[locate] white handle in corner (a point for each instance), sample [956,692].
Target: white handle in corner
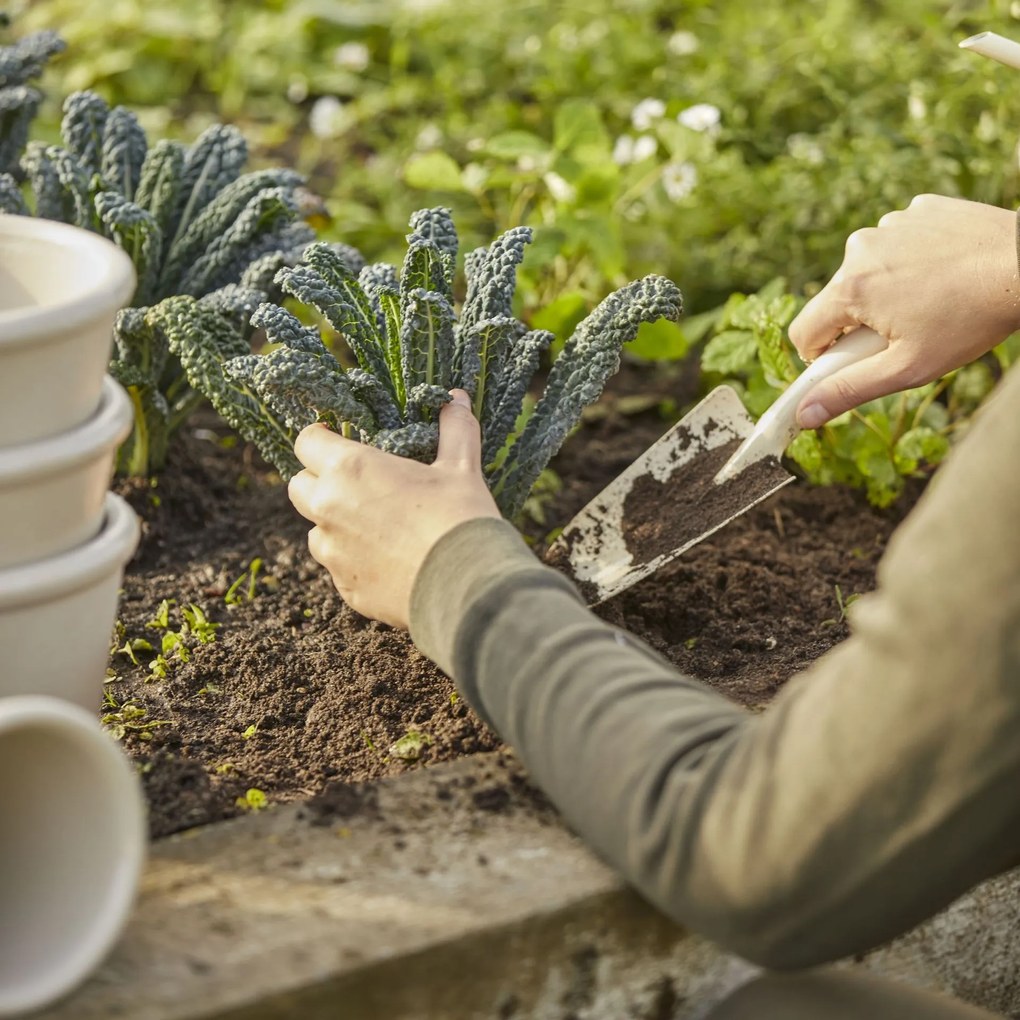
[778,425]
[995,46]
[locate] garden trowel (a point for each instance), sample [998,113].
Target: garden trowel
[710,467]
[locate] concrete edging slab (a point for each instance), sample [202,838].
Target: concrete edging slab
[443,895]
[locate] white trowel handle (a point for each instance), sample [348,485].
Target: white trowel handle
[778,425]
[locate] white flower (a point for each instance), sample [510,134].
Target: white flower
[805,148]
[917,108]
[633,150]
[429,137]
[701,117]
[593,33]
[646,113]
[679,180]
[527,163]
[326,118]
[422,6]
[645,147]
[352,56]
[474,144]
[532,45]
[682,44]
[560,189]
[297,90]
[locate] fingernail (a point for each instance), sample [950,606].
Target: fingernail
[460,397]
[813,416]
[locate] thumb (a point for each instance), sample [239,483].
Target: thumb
[460,436]
[876,376]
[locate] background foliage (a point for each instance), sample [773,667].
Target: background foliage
[722,145]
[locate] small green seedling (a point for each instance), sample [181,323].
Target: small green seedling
[253,800]
[844,603]
[410,746]
[245,588]
[127,717]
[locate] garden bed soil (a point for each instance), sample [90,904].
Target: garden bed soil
[298,695]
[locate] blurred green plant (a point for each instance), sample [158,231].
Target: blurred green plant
[719,145]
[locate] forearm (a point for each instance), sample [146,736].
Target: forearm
[878,786]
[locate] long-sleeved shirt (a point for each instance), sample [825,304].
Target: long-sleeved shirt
[881,783]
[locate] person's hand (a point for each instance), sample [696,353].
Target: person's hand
[377,515]
[938,280]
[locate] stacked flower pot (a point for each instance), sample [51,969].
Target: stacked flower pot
[72,831]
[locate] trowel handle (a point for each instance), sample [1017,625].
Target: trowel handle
[778,425]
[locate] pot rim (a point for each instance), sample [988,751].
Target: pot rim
[124,811]
[108,427]
[51,323]
[60,576]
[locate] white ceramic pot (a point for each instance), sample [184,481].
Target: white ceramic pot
[60,288]
[57,614]
[72,846]
[52,491]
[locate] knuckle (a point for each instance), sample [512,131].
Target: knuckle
[461,414]
[859,240]
[923,202]
[890,219]
[847,393]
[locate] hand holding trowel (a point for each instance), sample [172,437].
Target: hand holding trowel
[710,467]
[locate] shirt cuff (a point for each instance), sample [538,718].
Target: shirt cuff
[470,564]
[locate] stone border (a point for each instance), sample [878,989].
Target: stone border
[451,892]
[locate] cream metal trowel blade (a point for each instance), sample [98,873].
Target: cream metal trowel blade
[595,544]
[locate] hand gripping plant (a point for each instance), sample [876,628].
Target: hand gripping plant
[191,221]
[411,348]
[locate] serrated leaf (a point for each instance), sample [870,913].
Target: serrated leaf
[730,352]
[919,446]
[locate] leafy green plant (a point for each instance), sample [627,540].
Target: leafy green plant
[825,120]
[244,588]
[410,746]
[19,102]
[844,602]
[175,645]
[190,219]
[411,348]
[875,447]
[253,800]
[123,718]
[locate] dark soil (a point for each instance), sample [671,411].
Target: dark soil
[298,697]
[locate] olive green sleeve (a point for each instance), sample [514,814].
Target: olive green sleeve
[879,785]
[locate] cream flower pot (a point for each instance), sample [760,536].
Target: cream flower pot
[60,289]
[72,845]
[57,614]
[52,491]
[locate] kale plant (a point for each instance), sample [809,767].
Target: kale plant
[193,223]
[411,347]
[19,101]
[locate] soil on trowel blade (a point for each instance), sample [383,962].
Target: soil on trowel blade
[298,695]
[660,516]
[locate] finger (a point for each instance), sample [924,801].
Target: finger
[319,448]
[874,377]
[301,489]
[460,436]
[823,319]
[322,548]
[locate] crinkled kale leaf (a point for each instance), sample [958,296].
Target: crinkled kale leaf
[412,346]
